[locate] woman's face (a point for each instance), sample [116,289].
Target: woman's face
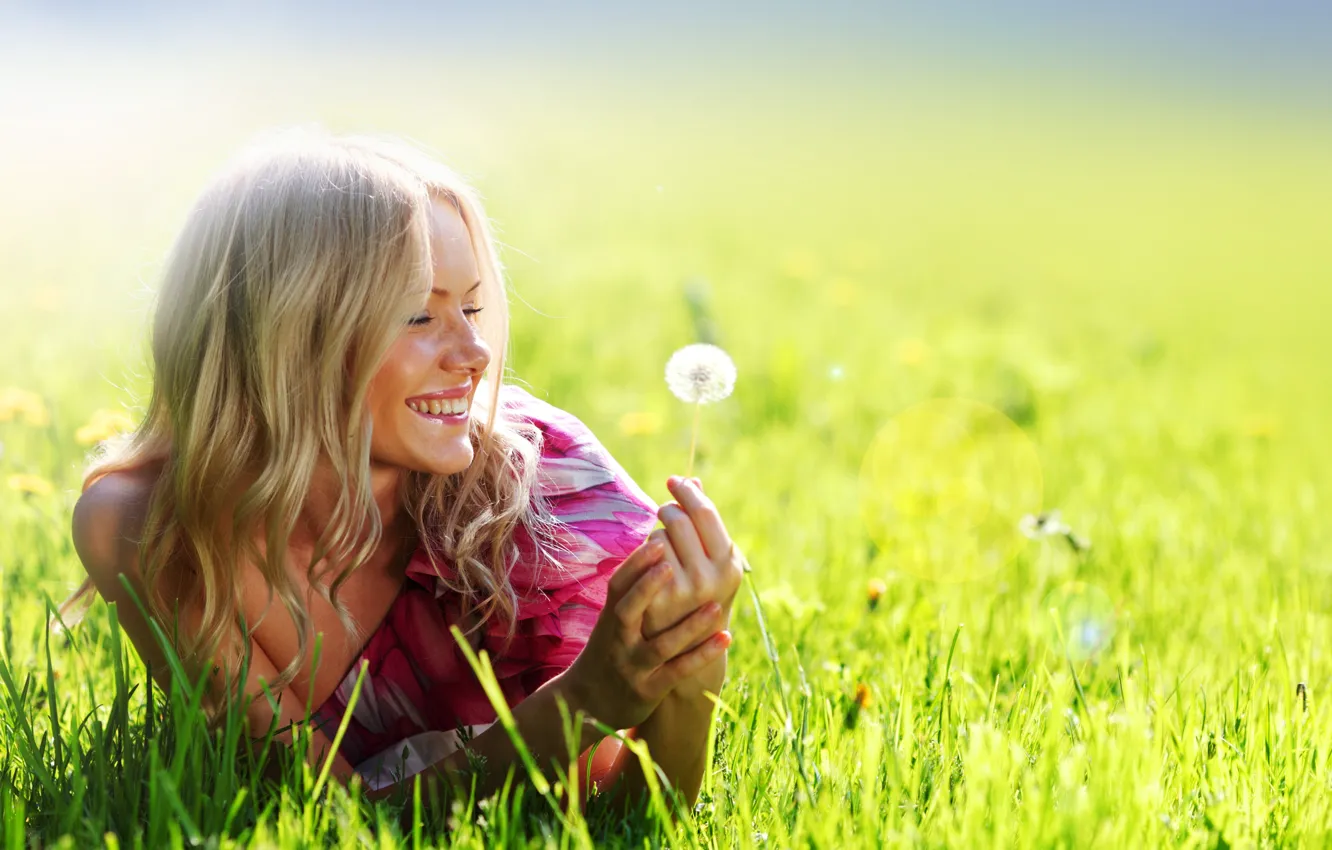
[434,365]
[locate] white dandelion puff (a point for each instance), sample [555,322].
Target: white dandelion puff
[1048,524]
[700,374]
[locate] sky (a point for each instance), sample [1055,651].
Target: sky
[1280,49]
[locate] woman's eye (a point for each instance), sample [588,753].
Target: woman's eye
[426,318]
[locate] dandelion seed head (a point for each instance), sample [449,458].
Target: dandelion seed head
[1048,524]
[700,373]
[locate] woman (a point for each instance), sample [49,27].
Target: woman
[329,429]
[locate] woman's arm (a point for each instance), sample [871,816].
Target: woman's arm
[619,679]
[676,735]
[539,724]
[105,529]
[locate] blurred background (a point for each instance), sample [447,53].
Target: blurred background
[1109,221]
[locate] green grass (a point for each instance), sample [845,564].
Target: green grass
[1139,284]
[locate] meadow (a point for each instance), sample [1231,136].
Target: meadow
[1130,285]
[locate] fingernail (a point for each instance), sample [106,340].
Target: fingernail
[723,639]
[697,483]
[673,481]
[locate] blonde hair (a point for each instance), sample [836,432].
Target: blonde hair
[293,274]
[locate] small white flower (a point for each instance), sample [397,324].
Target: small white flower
[700,373]
[1047,524]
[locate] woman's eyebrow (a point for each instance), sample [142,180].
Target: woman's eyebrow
[439,291]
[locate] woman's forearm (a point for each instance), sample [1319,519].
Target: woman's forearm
[541,727]
[677,735]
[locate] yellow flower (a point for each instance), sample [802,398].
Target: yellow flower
[640,423]
[859,702]
[912,352]
[15,402]
[863,697]
[843,291]
[34,485]
[876,589]
[861,256]
[1260,426]
[800,264]
[104,425]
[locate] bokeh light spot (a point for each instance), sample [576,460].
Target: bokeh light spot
[1079,620]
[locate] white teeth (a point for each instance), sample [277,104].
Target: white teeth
[435,406]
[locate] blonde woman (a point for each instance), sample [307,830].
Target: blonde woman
[330,448]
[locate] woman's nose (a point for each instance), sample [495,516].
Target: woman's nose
[466,352]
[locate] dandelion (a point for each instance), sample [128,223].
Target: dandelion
[640,423]
[800,264]
[912,352]
[104,425]
[1260,426]
[860,701]
[1048,524]
[32,485]
[875,591]
[699,374]
[16,403]
[843,291]
[863,697]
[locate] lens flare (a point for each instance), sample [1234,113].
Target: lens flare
[1079,620]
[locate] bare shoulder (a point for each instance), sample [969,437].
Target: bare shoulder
[108,519]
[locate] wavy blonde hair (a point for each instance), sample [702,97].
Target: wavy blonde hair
[295,271]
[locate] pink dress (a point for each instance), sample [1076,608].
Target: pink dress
[419,699]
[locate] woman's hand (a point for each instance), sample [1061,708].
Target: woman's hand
[705,565]
[620,677]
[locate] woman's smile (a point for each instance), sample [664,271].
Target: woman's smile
[446,406]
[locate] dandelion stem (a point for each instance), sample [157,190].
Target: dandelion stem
[693,439]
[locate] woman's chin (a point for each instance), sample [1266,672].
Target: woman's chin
[452,466]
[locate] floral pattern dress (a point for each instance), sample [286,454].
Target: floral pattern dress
[420,700]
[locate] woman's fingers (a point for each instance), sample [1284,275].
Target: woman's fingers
[708,525]
[670,674]
[684,538]
[630,607]
[680,638]
[639,561]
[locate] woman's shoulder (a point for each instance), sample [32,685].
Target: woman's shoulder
[561,429]
[109,515]
[573,459]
